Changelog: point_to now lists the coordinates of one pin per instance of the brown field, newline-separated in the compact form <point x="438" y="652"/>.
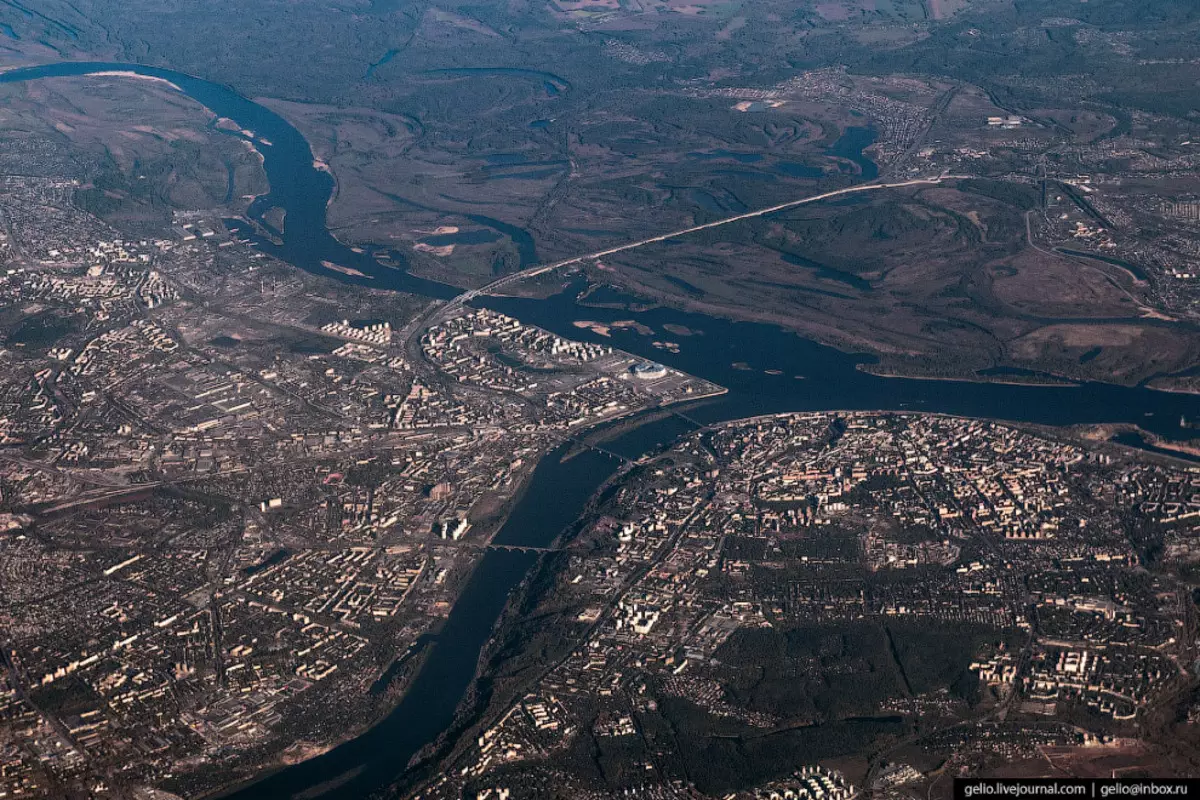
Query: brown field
<point x="586" y="5"/>
<point x="1101" y="761"/>
<point x="435" y="16"/>
<point x="1046" y="286"/>
<point x="1126" y="353"/>
<point x="135" y="125"/>
<point x="1085" y="124"/>
<point x="936" y="282"/>
<point x="834" y="12"/>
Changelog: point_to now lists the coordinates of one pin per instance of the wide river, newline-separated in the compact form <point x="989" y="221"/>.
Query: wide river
<point x="765" y="368"/>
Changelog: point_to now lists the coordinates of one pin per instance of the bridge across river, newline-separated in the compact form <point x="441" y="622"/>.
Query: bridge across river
<point x="521" y="548"/>
<point x="542" y="269"/>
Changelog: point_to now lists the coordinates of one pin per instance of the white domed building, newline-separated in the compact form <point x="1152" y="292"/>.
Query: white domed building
<point x="648" y="371"/>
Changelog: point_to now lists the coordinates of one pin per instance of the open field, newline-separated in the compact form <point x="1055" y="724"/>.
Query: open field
<point x="936" y="280"/>
<point x="139" y="148"/>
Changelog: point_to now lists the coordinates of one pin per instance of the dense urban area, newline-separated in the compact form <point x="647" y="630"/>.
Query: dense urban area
<point x="222" y="527"/>
<point x="974" y="583"/>
<point x="636" y="353"/>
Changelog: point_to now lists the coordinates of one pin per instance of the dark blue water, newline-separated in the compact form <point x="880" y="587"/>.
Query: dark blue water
<point x="297" y="185"/>
<point x="829" y="273"/>
<point x="557" y="492"/>
<point x="427" y="709"/>
<point x="850" y="146"/>
<point x="512" y="158"/>
<point x="8" y="31"/>
<point x="1132" y="439"/>
<point x="387" y="57"/>
<point x="813" y="378"/>
<point x="819" y="378"/>
<point x="526" y="248"/>
<point x="796" y="170"/>
<point x="1137" y="271"/>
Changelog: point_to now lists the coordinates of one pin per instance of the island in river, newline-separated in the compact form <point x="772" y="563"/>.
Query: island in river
<point x="270" y="586"/>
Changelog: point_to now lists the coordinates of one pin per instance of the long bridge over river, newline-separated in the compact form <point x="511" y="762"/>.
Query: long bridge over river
<point x="521" y="548"/>
<point x="542" y="269"/>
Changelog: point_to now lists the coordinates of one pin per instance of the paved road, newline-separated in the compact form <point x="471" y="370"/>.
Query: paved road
<point x="544" y="268"/>
<point x="1141" y="305"/>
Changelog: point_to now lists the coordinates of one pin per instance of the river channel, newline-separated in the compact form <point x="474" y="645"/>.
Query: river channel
<point x="765" y="368"/>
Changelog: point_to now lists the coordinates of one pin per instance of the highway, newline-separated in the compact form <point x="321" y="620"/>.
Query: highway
<point x="542" y="269"/>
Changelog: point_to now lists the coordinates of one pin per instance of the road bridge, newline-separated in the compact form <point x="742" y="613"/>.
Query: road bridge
<point x="522" y="548"/>
<point x="415" y="328"/>
<point x="542" y="269"/>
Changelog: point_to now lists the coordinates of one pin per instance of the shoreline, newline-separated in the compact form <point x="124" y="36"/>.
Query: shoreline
<point x="467" y="720"/>
<point x="629" y="421"/>
<point x="1189" y="457"/>
<point x="1073" y="434"/>
<point x="658" y="299"/>
<point x="626" y="418"/>
<point x="1053" y="382"/>
<point x="128" y="74"/>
